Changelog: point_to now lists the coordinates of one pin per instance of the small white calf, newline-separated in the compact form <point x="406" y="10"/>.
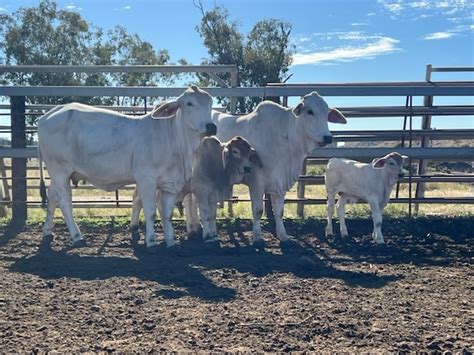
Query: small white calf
<point x="356" y="181"/>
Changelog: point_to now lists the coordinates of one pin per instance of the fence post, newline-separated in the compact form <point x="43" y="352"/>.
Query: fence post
<point x="300" y="191"/>
<point x="424" y="142"/>
<point x="18" y="126"/>
<point x="234" y="81"/>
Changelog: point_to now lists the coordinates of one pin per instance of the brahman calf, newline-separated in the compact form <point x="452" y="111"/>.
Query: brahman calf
<point x="356" y="181"/>
<point x="216" y="168"/>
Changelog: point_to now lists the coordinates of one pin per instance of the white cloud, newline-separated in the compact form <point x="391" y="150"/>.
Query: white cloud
<point x="126" y="7"/>
<point x="72" y="7"/>
<point x="409" y="8"/>
<point x="439" y="35"/>
<point x="2" y="9"/>
<point x="379" y="45"/>
<point x="449" y="33"/>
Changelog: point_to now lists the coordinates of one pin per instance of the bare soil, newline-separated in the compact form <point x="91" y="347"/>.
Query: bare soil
<point x="314" y="293"/>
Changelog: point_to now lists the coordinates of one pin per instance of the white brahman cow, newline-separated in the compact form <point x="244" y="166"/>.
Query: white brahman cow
<point x="283" y="138"/>
<point x="111" y="150"/>
<point x="355" y="181"/>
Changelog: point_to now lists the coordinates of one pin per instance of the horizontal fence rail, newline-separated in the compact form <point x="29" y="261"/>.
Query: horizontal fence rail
<point x="419" y="89"/>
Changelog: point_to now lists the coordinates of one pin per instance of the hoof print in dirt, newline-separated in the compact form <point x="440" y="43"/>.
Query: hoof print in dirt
<point x="81" y="243"/>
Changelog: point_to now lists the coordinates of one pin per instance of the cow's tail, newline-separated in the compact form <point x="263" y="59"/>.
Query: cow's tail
<point x="42" y="186"/>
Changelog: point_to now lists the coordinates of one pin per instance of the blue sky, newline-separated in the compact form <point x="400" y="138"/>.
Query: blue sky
<point x="336" y="40"/>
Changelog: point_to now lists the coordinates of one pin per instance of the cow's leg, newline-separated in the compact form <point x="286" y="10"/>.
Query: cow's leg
<point x="190" y="207"/>
<point x="341" y="213"/>
<point x="377" y="220"/>
<point x="256" y="196"/>
<point x="278" y="204"/>
<point x="51" y="207"/>
<point x="202" y="198"/>
<point x="213" y="215"/>
<point x="167" y="201"/>
<point x="136" y="208"/>
<point x="147" y="194"/>
<point x="62" y="190"/>
<point x="330" y="212"/>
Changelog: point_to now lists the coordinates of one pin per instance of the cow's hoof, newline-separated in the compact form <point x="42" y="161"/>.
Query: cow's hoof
<point x="135" y="231"/>
<point x="48" y="237"/>
<point x="81" y="243"/>
<point x="193" y="235"/>
<point x="153" y="250"/>
<point x="259" y="244"/>
<point x="287" y="243"/>
<point x="174" y="250"/>
<point x="212" y="244"/>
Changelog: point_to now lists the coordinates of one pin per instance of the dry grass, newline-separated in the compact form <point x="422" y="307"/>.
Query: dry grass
<point x="243" y="210"/>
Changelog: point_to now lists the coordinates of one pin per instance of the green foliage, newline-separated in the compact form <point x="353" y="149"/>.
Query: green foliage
<point x="262" y="56"/>
<point x="46" y="35"/>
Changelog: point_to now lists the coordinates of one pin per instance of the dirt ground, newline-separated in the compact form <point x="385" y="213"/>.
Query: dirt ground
<point x="416" y="293"/>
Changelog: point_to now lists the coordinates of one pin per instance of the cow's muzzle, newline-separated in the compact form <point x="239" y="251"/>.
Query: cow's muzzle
<point x="247" y="169"/>
<point x="211" y="129"/>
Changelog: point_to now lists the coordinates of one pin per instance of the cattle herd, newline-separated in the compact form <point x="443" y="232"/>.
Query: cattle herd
<point x="185" y="151"/>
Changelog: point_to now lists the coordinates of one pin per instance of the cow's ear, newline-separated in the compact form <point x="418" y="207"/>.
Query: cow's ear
<point x="335" y="116"/>
<point x="378" y="163"/>
<point x="166" y="110"/>
<point x="298" y="108"/>
<point x="255" y="158"/>
<point x="225" y="156"/>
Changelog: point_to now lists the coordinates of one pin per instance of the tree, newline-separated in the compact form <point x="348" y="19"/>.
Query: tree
<point x="262" y="56"/>
<point x="47" y="35"/>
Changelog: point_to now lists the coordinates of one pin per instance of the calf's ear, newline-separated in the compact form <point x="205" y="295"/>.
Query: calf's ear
<point x="255" y="158"/>
<point x="166" y="110"/>
<point x="335" y="116"/>
<point x="378" y="163"/>
<point x="225" y="157"/>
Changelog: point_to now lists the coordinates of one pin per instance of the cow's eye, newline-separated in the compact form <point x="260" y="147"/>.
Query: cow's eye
<point x="189" y="104"/>
<point x="391" y="163"/>
<point x="235" y="151"/>
<point x="310" y="112"/>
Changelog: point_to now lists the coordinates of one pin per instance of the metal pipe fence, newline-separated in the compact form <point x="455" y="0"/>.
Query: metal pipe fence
<point x="18" y="176"/>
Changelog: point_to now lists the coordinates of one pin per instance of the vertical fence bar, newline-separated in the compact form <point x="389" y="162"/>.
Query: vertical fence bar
<point x="300" y="191"/>
<point x="234" y="80"/>
<point x="18" y="109"/>
<point x="410" y="176"/>
<point x="424" y="142"/>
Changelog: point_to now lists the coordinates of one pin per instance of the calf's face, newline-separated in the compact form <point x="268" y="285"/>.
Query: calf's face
<point x="393" y="163"/>
<point x="239" y="158"/>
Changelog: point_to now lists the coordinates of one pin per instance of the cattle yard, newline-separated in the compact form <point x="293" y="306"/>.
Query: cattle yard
<point x="312" y="293"/>
<point x="417" y="192"/>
